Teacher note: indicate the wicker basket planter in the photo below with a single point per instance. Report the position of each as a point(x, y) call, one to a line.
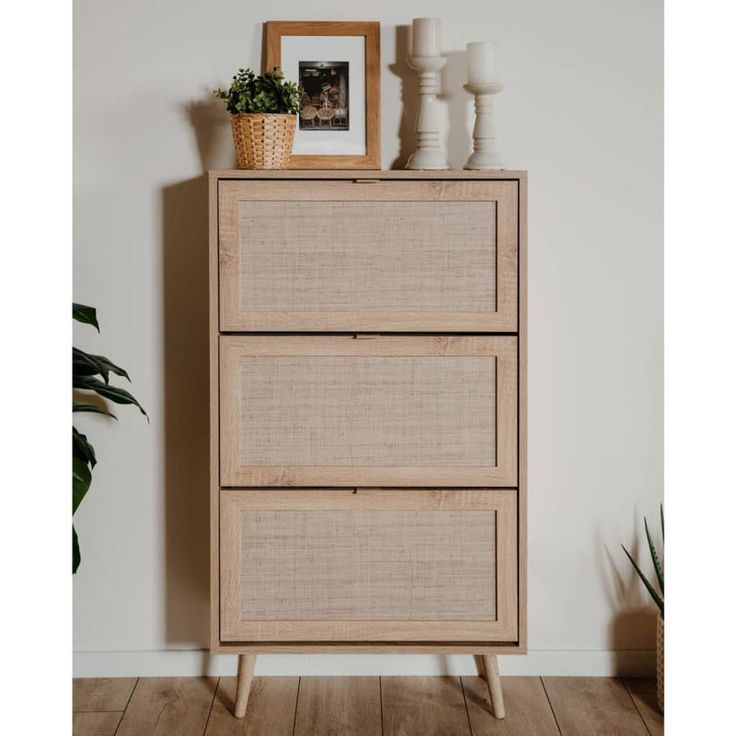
point(263, 140)
point(660, 663)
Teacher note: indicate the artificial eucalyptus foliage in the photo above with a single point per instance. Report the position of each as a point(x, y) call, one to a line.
point(267, 94)
point(90, 382)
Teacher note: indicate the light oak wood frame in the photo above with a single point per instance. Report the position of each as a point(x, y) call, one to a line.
point(519, 178)
point(501, 195)
point(502, 348)
point(503, 628)
point(371, 31)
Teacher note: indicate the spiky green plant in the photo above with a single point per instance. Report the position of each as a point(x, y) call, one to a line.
point(87, 370)
point(657, 597)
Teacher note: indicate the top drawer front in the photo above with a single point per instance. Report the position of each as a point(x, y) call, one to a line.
point(343, 255)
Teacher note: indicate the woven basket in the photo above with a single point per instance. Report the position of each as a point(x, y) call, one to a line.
point(660, 663)
point(263, 140)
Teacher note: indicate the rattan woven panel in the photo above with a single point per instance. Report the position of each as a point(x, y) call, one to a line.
point(367, 256)
point(368, 565)
point(368, 411)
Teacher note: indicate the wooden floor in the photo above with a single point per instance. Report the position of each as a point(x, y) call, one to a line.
point(365, 706)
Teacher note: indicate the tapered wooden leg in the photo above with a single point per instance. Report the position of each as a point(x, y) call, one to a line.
point(493, 680)
point(246, 665)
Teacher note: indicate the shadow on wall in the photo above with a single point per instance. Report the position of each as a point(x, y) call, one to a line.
point(459, 142)
point(210, 122)
point(409, 97)
point(186, 378)
point(186, 410)
point(633, 626)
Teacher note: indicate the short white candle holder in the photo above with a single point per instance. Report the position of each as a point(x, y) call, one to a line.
point(428, 155)
point(485, 154)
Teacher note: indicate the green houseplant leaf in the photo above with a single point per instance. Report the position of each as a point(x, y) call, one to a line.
point(91, 409)
point(90, 373)
point(655, 558)
point(86, 315)
point(85, 364)
point(76, 557)
point(661, 520)
point(81, 479)
point(267, 94)
point(113, 393)
point(657, 597)
point(82, 449)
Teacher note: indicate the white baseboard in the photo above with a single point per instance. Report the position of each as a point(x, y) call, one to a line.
point(196, 662)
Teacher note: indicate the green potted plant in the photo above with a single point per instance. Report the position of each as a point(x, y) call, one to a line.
point(90, 383)
point(658, 598)
point(263, 116)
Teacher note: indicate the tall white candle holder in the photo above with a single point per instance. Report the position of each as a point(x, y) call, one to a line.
point(428, 155)
point(485, 154)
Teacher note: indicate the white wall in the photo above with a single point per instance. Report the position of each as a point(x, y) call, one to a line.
point(582, 111)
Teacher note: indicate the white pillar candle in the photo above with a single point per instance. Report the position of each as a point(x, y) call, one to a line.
point(481, 67)
point(425, 36)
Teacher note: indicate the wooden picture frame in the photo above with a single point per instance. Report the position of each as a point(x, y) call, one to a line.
point(370, 31)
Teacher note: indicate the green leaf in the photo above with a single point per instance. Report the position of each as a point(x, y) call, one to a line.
point(82, 449)
point(655, 596)
point(86, 364)
point(91, 409)
point(268, 94)
point(76, 556)
point(113, 393)
point(655, 558)
point(81, 479)
point(661, 519)
point(86, 315)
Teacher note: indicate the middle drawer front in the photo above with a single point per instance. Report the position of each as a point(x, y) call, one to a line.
point(382, 411)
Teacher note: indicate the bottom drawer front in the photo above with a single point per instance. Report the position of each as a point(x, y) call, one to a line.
point(336, 565)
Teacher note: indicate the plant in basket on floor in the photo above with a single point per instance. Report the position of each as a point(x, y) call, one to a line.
point(264, 111)
point(657, 597)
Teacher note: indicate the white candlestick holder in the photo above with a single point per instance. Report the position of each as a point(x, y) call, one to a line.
point(428, 154)
point(485, 154)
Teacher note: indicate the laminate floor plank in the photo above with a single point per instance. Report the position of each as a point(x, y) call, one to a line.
point(641, 684)
point(424, 706)
point(593, 706)
point(101, 693)
point(528, 712)
point(338, 706)
point(96, 724)
point(270, 712)
point(644, 694)
point(169, 706)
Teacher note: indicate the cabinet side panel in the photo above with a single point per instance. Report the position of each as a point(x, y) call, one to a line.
point(214, 417)
point(522, 424)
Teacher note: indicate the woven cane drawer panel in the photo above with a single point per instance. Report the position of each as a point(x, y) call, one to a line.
point(401, 256)
point(373, 256)
point(359, 411)
point(336, 410)
point(375, 564)
point(392, 558)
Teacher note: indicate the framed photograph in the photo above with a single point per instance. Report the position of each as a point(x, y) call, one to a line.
point(337, 66)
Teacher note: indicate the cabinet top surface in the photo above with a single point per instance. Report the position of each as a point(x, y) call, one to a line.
point(363, 174)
